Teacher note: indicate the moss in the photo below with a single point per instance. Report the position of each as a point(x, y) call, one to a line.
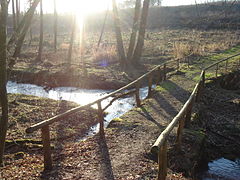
point(117, 119)
point(165, 86)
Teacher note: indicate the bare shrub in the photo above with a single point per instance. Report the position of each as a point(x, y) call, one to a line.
point(105, 54)
point(182, 50)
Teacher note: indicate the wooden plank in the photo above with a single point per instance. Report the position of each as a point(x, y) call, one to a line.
point(46, 148)
point(100, 118)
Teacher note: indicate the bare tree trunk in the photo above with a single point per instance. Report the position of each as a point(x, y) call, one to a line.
point(21, 31)
point(17, 12)
point(3, 77)
point(134, 29)
point(140, 43)
point(118, 33)
point(197, 10)
point(30, 30)
point(55, 26)
point(14, 16)
point(40, 49)
point(23, 24)
point(69, 58)
point(82, 50)
point(103, 28)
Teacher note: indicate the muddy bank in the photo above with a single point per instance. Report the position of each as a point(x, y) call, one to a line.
point(25, 111)
point(220, 120)
point(66, 79)
point(96, 76)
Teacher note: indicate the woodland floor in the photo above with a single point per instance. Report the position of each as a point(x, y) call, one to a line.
point(123, 153)
point(102, 64)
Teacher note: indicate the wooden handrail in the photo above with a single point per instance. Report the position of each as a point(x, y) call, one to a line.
point(161, 141)
point(55, 118)
point(162, 138)
point(225, 59)
point(74, 110)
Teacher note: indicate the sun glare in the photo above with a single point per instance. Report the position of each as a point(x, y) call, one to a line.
point(82, 8)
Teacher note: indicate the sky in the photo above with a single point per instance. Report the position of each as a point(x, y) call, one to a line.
point(98, 4)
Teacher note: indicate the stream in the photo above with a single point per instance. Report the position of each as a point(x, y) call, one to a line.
point(81, 97)
point(221, 169)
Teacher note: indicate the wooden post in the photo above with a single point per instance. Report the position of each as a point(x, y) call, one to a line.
point(100, 118)
point(179, 132)
point(138, 101)
point(203, 79)
point(159, 75)
point(188, 61)
point(217, 71)
point(189, 113)
point(150, 79)
point(199, 92)
point(46, 148)
point(165, 72)
point(162, 162)
point(226, 66)
point(178, 64)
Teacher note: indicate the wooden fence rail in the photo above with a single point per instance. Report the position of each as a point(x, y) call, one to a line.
point(183, 117)
point(160, 146)
point(160, 70)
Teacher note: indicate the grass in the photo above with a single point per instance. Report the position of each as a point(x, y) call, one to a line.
point(165, 86)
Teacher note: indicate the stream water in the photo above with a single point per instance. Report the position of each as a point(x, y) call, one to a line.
point(221, 169)
point(82, 97)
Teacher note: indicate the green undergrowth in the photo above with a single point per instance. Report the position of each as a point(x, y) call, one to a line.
point(193, 71)
point(166, 86)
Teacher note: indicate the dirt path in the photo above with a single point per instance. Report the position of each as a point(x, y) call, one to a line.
point(123, 153)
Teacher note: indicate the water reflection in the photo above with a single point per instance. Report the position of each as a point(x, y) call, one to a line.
point(223, 169)
point(80, 96)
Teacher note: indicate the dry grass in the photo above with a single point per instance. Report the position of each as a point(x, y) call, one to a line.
point(105, 54)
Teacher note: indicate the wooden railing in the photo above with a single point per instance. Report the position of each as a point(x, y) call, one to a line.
point(183, 117)
point(158, 73)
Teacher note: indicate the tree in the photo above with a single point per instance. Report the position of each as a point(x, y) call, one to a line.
point(23, 29)
point(17, 12)
point(3, 76)
point(118, 33)
point(69, 57)
point(55, 26)
point(14, 16)
point(40, 49)
point(140, 42)
point(30, 28)
point(134, 29)
point(156, 2)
